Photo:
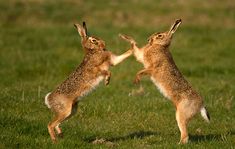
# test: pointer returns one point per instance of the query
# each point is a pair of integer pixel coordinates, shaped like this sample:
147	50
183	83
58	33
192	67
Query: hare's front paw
107	80
131	51
137	80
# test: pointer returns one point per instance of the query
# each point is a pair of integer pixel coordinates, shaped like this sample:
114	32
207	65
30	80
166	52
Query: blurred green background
39	47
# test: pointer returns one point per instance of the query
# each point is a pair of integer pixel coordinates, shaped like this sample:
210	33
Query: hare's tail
205	114
46	101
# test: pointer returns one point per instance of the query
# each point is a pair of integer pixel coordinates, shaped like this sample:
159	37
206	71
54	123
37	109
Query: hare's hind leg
60	115
186	110
182	124
59	131
73	111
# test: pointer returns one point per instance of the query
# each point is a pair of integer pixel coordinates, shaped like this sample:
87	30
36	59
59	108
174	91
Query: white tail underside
46	100
204	114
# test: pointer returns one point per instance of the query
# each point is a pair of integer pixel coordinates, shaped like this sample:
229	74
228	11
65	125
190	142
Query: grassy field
39	47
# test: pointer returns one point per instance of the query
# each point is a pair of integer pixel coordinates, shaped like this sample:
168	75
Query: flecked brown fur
160	66
93	69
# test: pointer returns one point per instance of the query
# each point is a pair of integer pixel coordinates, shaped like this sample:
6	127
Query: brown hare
93	69
160	66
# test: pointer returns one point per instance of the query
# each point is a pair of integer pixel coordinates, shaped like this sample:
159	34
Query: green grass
39	47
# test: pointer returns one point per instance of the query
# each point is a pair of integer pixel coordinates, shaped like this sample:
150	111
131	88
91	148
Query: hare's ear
175	26
81	30
84	27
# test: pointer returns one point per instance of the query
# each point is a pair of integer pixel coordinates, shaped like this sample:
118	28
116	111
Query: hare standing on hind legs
160	66
93	69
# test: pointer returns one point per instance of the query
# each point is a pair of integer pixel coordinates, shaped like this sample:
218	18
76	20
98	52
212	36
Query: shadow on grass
201	138
143	134
138	135
210	137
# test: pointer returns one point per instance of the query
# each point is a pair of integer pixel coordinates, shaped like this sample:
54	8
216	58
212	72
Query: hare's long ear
81	30
175	26
84	27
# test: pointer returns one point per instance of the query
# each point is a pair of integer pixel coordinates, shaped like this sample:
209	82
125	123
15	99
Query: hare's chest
147	59
161	87
104	66
139	54
92	85
96	82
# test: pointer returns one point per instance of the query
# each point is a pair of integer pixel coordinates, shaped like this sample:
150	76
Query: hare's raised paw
106	81
130	51
122	36
107	78
127	38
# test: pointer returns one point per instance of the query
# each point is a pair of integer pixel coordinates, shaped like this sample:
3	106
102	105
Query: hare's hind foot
54	125
182	121
59	131
183	140
61	115
61	135
52	133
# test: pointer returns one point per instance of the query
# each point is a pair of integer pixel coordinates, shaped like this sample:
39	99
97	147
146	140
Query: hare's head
164	38
89	42
94	43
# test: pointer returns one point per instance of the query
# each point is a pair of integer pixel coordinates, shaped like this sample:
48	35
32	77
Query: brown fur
160	66
93	69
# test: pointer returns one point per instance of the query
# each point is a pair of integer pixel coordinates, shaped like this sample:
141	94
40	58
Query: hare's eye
159	36
94	41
